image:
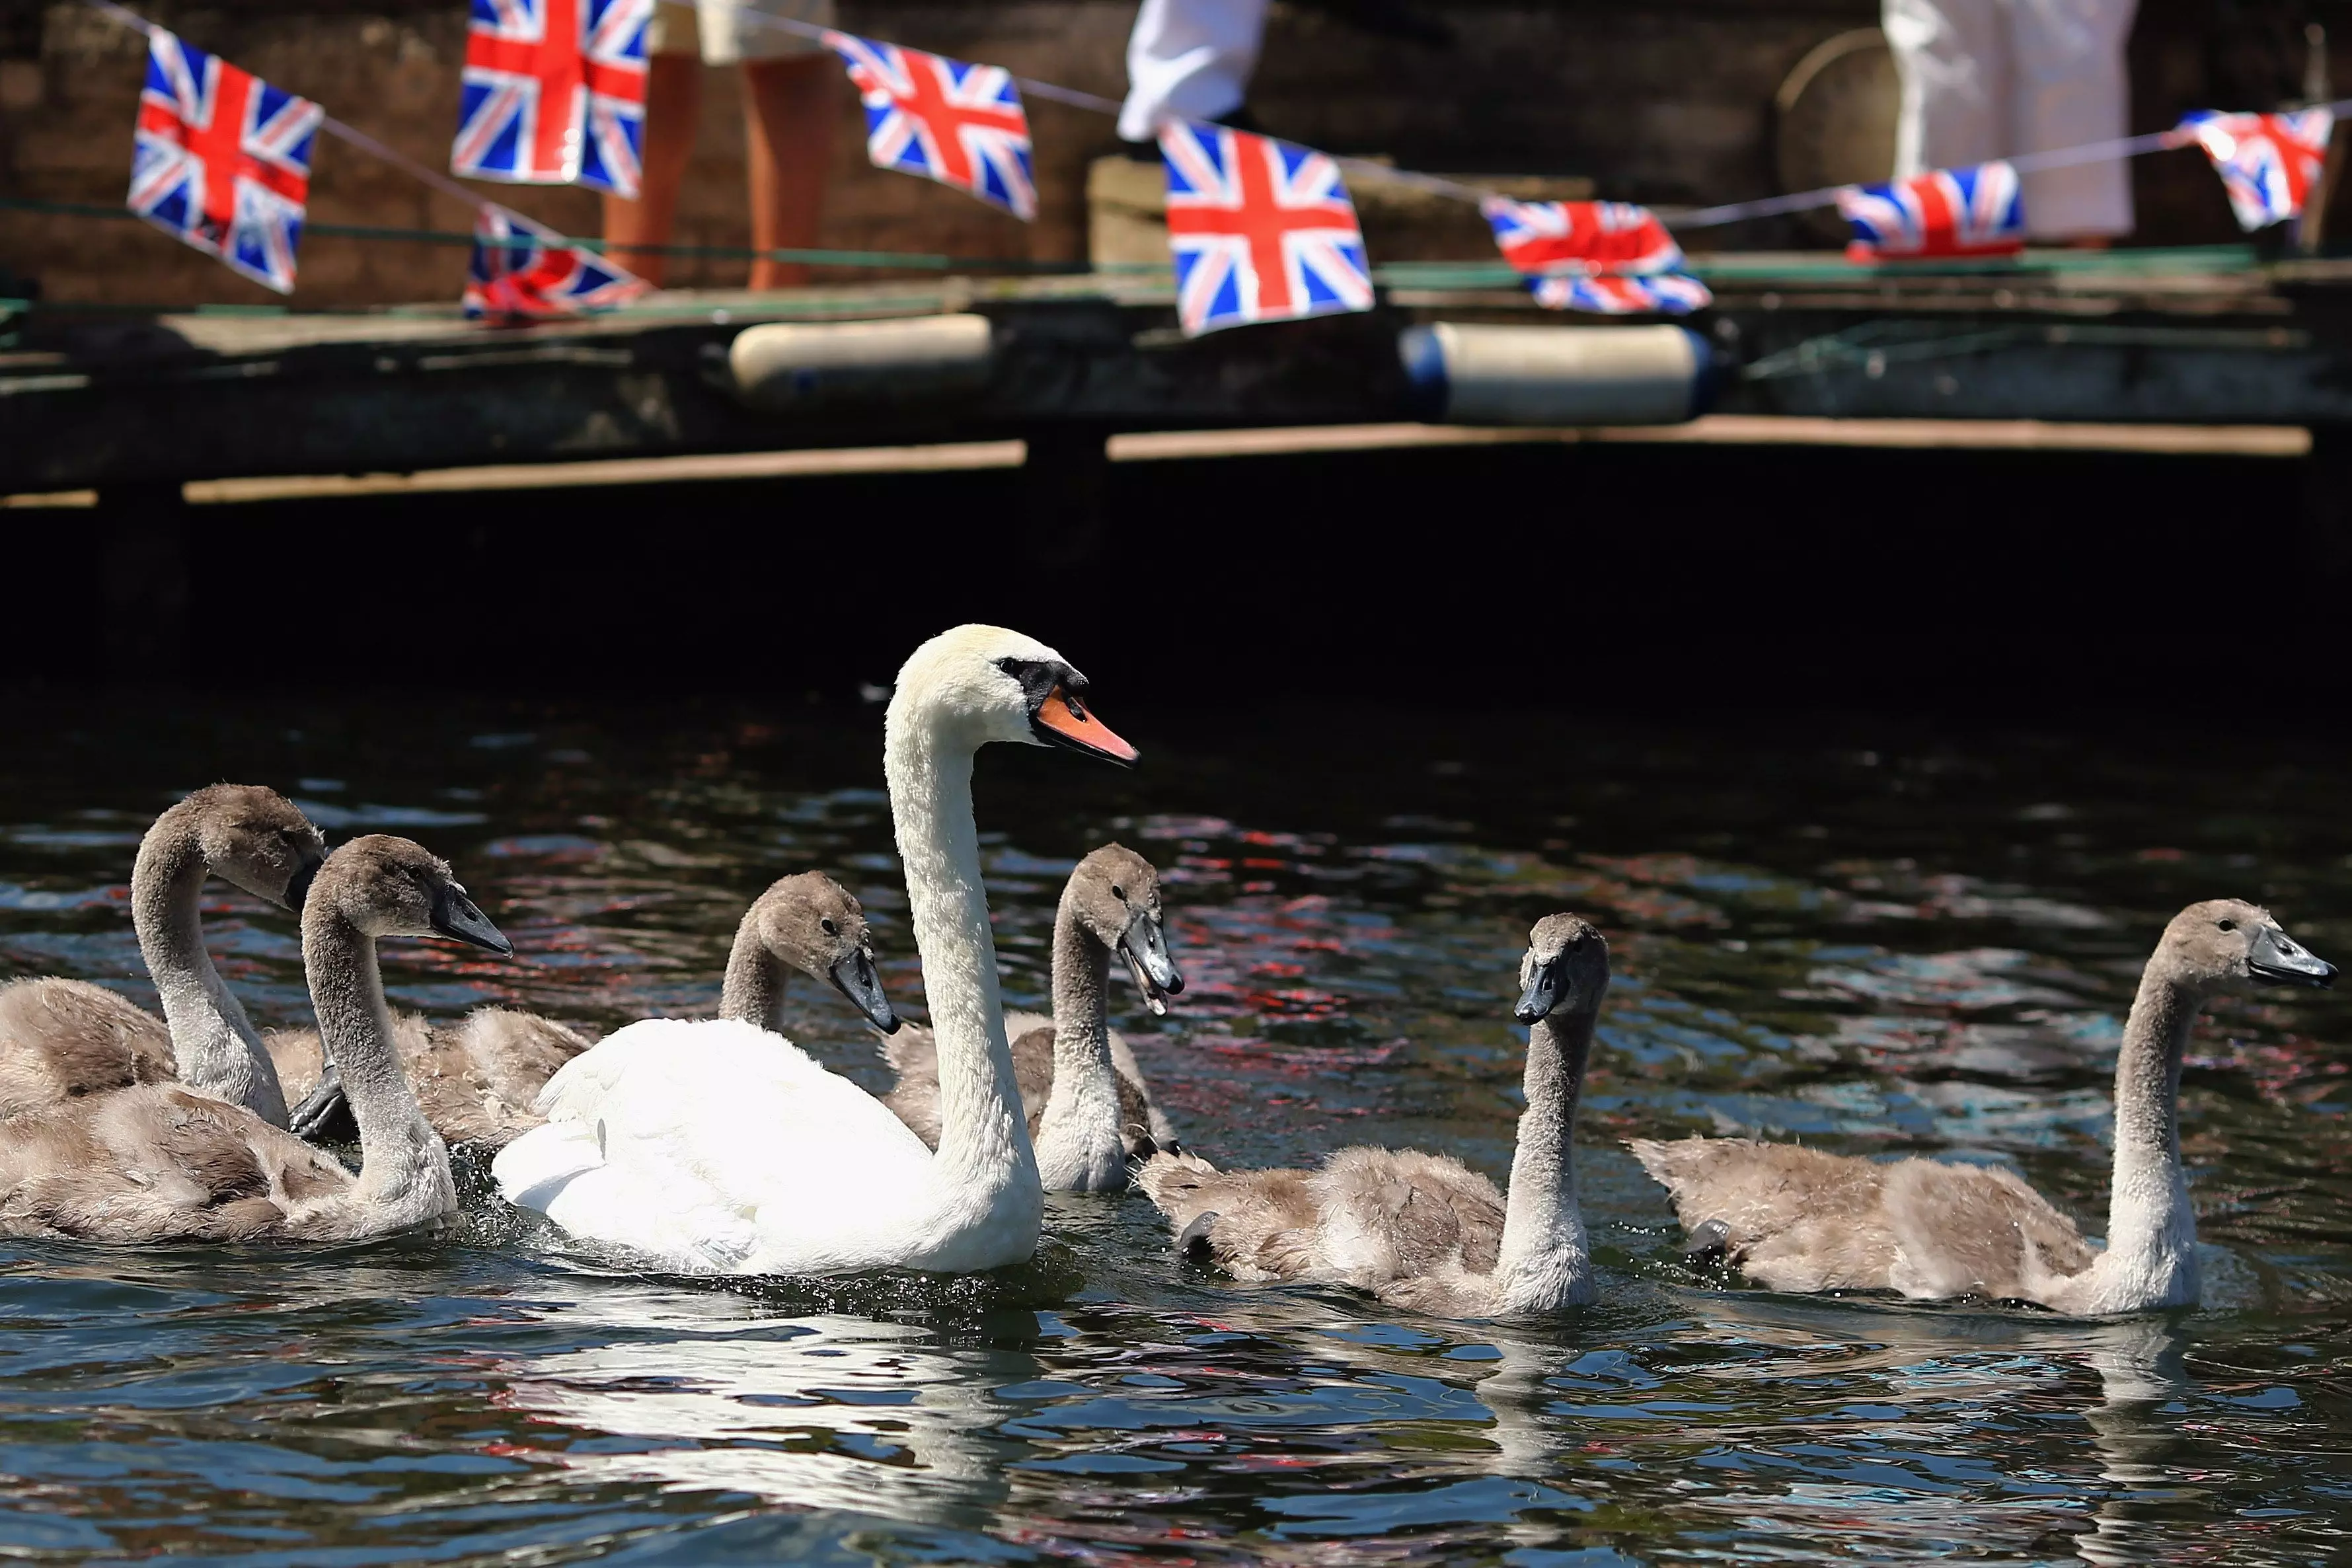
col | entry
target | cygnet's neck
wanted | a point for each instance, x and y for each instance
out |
(985, 1159)
(2152, 1256)
(754, 992)
(1546, 1262)
(218, 1052)
(403, 1162)
(1078, 1144)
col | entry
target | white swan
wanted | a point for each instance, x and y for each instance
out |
(718, 1147)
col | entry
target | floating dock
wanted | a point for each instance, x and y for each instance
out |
(98, 400)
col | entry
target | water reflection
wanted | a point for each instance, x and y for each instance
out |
(813, 1411)
(1929, 950)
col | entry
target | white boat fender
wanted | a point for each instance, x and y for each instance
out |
(795, 366)
(1464, 374)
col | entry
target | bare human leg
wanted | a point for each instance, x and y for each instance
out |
(673, 103)
(790, 108)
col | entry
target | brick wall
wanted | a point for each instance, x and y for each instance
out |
(1666, 100)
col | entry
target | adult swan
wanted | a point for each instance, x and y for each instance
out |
(718, 1147)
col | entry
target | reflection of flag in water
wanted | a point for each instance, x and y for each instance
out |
(518, 275)
(958, 123)
(1667, 294)
(2268, 163)
(1563, 238)
(553, 93)
(1262, 230)
(1976, 211)
(222, 159)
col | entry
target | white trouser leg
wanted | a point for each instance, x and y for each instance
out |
(1953, 58)
(2072, 87)
(1189, 59)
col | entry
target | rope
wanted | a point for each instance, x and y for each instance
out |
(1363, 168)
(912, 261)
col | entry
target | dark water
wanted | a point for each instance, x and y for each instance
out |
(1857, 934)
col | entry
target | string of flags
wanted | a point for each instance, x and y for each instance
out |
(554, 93)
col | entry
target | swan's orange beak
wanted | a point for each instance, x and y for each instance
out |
(1064, 721)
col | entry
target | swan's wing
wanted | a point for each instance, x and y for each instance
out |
(1792, 1218)
(154, 1162)
(718, 1144)
(477, 1080)
(66, 1039)
(1255, 1224)
(1393, 1214)
(1979, 1230)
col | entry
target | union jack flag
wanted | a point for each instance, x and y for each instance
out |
(1661, 294)
(1582, 237)
(1262, 230)
(553, 93)
(1976, 211)
(222, 159)
(2268, 163)
(519, 273)
(946, 119)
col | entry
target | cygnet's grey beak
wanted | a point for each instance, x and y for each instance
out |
(1543, 993)
(297, 886)
(457, 917)
(1144, 946)
(854, 977)
(2276, 959)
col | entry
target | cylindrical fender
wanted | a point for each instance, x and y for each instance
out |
(794, 366)
(1556, 375)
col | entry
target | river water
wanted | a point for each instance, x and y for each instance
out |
(1860, 933)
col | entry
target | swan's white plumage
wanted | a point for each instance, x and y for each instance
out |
(716, 1146)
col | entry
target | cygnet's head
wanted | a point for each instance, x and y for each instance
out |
(387, 886)
(2227, 943)
(811, 921)
(983, 683)
(1566, 968)
(1115, 892)
(256, 838)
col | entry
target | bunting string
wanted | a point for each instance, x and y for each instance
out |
(1267, 230)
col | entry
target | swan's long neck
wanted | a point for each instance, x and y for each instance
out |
(754, 988)
(398, 1149)
(2151, 1256)
(1545, 1261)
(1078, 1142)
(985, 1153)
(217, 1051)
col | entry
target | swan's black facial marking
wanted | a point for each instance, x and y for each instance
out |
(1055, 695)
(1038, 677)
